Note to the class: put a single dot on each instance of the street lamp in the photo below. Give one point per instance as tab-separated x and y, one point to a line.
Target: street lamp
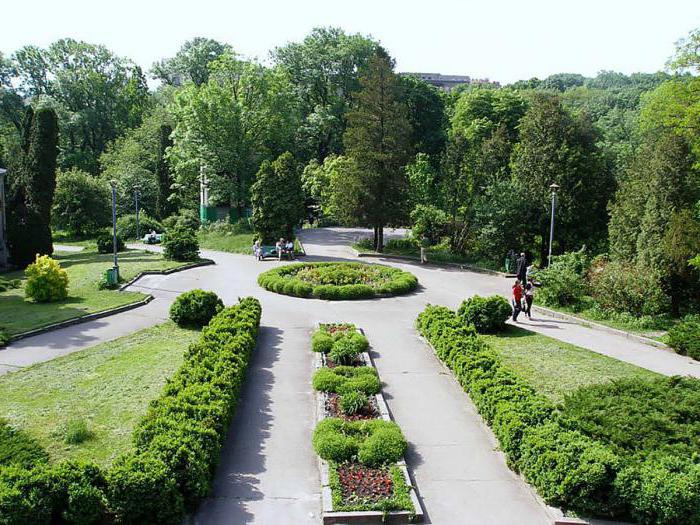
3	246
554	187
137	194
113	183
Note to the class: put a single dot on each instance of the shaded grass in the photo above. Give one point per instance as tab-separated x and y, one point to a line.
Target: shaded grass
85	269
231	243
107	386
555	368
435	255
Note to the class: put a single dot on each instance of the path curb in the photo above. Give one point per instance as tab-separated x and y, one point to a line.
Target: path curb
602	327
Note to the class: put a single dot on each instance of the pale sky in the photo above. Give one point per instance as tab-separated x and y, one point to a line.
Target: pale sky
506	40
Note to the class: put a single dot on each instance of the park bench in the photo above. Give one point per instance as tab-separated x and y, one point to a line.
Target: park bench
271	251
149	239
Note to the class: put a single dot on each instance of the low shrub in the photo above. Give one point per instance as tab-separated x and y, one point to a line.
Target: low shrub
486	314
563	283
401	245
365	243
126	226
105	242
181	244
684	338
351	402
372	442
346	349
18	448
5	337
345	379
186	219
46	281
195	308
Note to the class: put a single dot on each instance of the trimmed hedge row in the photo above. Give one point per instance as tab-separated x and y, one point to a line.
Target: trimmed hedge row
568	468
283	280
176	450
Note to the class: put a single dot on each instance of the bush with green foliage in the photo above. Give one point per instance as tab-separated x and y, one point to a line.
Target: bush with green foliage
351	403
563	283
408	246
346	350
126	226
429	221
342	343
344	379
5	337
684	338
187	219
195	308
46	281
81	204
337	281
371	442
18	448
105	242
486	314
181	244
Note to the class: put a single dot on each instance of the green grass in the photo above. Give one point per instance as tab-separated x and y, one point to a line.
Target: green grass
85	269
435	255
226	242
108	387
555	368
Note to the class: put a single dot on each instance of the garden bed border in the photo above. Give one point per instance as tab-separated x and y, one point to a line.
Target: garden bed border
329	516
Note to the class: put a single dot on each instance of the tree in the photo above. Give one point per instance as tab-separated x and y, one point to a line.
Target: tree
687	55
378	139
426	113
423	182
556	147
277	198
32	189
163	205
81	204
190	63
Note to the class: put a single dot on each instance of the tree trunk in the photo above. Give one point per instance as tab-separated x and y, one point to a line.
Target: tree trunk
380	238
376	236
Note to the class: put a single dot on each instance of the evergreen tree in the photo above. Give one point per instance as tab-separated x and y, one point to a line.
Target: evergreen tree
32	188
378	138
163	207
277	198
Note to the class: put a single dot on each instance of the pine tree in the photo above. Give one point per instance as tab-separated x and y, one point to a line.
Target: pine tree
378	139
163	206
278	199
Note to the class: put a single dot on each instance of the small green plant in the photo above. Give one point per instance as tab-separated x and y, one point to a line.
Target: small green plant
105	242
46	280
181	244
352	402
684	338
344	379
76	432
487	314
195	308
345	351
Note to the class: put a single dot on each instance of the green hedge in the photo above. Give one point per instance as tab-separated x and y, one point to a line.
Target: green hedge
684	338
177	443
337	280
567	466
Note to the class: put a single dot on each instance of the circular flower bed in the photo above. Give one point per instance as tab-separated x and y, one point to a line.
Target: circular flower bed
338	281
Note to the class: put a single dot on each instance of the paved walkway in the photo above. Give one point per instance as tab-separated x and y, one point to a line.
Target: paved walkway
268	472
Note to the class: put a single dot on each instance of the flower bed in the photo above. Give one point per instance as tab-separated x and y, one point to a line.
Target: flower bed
177	444
360	453
338	281
571	462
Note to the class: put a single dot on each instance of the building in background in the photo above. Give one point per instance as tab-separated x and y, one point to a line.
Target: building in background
448	82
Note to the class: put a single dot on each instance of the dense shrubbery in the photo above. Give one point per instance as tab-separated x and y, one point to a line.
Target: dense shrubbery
486	314
563	282
176	445
584	458
373	442
342	343
684	338
344	379
181	244
126	225
105	242
337	281
195	308
624	287
408	245
187	219
46	280
430	222
18	448
81	203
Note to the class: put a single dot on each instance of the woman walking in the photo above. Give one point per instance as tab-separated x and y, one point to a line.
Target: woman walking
516	299
529	297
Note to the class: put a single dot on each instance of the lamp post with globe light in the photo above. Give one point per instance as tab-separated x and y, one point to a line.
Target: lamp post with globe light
554	187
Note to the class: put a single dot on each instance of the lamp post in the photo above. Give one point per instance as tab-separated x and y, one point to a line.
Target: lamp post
113	183
137	194
554	187
3	245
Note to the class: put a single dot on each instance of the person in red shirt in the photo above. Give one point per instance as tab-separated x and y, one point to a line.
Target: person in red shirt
516	299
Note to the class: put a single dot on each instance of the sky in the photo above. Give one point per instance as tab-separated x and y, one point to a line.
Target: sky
505	40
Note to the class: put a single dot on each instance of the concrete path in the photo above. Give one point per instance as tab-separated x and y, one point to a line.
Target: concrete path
268	472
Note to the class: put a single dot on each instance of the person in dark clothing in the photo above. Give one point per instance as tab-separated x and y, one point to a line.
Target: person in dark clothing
529	297
516	299
521	268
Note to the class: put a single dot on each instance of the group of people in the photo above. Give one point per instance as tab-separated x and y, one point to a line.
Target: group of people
282	247
523	294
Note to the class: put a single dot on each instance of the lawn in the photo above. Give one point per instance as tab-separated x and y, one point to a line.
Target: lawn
107	386
435	255
224	241
85	269
556	368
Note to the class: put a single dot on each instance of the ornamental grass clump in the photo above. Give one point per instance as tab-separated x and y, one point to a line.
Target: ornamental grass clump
46	282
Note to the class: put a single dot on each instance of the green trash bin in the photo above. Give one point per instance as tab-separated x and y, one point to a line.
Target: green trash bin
112	276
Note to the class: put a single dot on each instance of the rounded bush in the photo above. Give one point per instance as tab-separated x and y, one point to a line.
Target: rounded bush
373	443
345	379
46	280
321	342
384	445
195	308
684	338
105	242
486	314
181	244
352	402
338	281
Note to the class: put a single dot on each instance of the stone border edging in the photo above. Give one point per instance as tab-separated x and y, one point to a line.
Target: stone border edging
331	517
111	311
585	322
82	319
203	262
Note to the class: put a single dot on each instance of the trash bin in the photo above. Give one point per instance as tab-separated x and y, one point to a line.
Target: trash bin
112	276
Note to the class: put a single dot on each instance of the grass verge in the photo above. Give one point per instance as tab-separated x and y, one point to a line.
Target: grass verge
435	255
106	387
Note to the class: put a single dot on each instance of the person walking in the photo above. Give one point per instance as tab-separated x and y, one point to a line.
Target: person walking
529	297
521	268
424	244
516	299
